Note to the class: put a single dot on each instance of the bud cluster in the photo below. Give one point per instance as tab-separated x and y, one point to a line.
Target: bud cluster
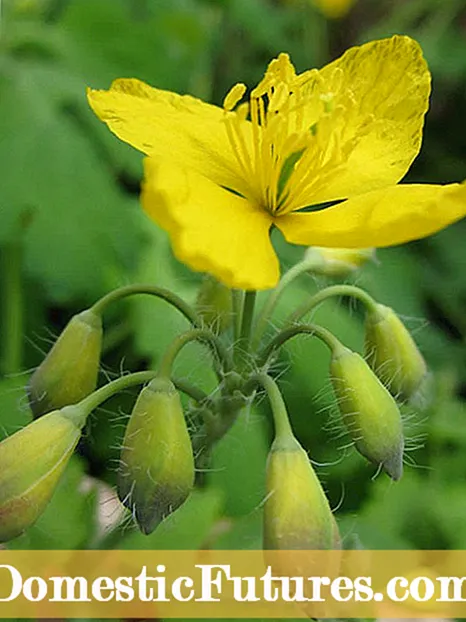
160	452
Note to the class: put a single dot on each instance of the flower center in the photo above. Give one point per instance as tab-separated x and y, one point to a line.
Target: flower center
291	137
284	116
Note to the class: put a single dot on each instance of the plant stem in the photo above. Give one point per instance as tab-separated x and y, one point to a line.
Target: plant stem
277	404
80	411
190	390
288	333
274	297
237	306
12	311
152	290
196	334
246	320
334	290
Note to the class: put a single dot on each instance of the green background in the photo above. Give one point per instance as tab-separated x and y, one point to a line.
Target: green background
71	229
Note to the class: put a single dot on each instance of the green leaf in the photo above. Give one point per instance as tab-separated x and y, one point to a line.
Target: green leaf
238	463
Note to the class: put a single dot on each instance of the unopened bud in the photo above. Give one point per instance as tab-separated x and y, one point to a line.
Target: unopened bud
31	463
368	410
391	352
156	471
213	304
337	262
296	512
69	371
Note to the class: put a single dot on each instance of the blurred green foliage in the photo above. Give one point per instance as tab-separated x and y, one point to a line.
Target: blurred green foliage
71	229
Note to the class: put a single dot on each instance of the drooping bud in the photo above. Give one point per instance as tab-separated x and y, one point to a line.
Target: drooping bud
337	262
213	304
69	371
31	463
391	352
296	512
156	471
368	410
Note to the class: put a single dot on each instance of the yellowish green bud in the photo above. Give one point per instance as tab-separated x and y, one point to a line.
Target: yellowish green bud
31	463
156	471
69	371
391	352
213	304
296	512
368	410
337	262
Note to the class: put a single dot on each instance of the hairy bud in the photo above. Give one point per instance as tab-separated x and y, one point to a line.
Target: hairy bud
213	304
156	471
31	463
296	512
391	352
368	410
337	262
69	371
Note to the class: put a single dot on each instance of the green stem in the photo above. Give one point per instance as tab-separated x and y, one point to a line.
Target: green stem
190	390
288	333
275	295
242	345
196	334
152	290
277	404
12	312
247	318
79	412
328	292
237	305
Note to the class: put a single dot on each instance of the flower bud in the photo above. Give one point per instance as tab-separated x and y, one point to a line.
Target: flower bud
69	371
156	471
213	304
368	410
31	463
337	262
391	352
296	512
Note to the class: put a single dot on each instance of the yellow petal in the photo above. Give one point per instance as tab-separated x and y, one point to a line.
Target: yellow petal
212	230
379	218
368	124
180	127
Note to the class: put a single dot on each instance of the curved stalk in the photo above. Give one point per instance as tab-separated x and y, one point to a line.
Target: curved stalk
328	292
271	302
288	333
196	334
277	404
151	290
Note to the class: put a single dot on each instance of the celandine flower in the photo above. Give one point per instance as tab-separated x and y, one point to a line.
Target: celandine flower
218	179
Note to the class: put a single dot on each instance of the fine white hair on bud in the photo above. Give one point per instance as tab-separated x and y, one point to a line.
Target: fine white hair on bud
369	412
392	353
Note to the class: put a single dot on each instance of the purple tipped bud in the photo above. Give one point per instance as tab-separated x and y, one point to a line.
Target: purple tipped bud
369	411
156	471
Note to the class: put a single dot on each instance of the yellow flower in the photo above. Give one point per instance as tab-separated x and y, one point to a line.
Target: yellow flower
218	179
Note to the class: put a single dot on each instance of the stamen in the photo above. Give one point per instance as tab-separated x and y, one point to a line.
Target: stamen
233	96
